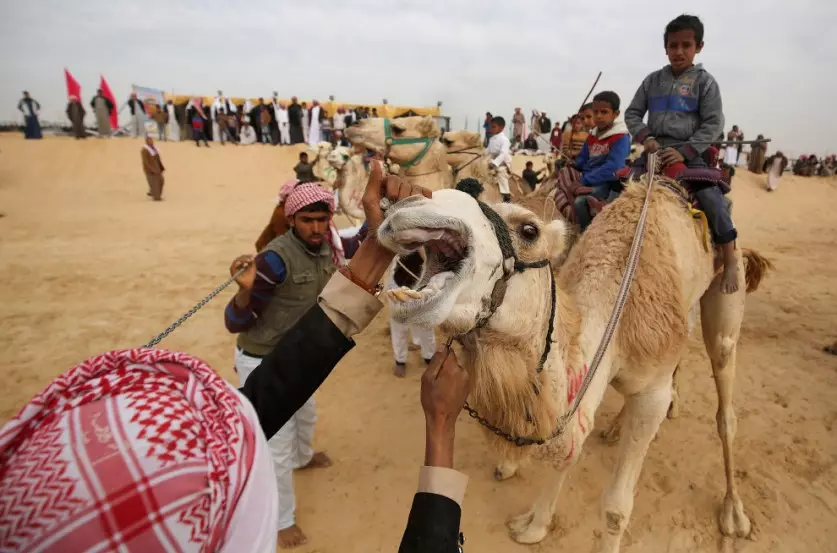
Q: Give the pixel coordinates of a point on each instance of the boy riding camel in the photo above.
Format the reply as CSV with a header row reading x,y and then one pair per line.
x,y
684,108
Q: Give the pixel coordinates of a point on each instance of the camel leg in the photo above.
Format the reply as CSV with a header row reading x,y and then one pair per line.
x,y
611,435
721,316
533,525
643,414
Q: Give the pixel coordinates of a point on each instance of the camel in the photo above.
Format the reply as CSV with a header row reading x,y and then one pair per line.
x,y
468,159
412,144
529,333
323,170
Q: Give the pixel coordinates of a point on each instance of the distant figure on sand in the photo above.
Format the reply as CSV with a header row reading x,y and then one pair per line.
x,y
198,120
137,109
171,117
756,161
30,108
153,168
75,112
775,166
518,121
248,133
295,121
102,108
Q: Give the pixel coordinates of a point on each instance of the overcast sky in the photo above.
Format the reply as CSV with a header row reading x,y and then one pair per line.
x,y
774,60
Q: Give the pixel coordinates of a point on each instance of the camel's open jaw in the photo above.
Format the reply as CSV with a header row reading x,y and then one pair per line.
x,y
444,228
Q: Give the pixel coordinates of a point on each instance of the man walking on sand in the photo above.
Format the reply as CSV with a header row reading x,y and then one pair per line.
x,y
291,271
153,168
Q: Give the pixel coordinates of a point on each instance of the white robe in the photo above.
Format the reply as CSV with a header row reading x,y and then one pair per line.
x,y
305,127
314,130
284,124
248,134
174,127
775,174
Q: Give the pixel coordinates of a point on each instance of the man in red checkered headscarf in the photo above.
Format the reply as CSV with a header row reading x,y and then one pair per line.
x,y
291,271
136,451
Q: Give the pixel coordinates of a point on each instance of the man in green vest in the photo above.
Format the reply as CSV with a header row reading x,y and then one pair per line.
x,y
291,271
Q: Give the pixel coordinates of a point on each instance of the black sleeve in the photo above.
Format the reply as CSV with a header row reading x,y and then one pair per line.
x,y
296,367
433,525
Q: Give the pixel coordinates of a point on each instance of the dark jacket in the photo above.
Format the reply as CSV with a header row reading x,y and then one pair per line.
x,y
134,103
292,372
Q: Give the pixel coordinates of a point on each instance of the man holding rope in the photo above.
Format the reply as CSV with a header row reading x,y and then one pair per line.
x,y
289,274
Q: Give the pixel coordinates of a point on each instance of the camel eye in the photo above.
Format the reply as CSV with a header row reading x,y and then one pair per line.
x,y
529,232
447,141
397,130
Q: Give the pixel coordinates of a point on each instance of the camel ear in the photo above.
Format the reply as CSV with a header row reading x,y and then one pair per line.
x,y
556,232
428,127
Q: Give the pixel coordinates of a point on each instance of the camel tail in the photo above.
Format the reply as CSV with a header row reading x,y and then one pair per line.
x,y
756,267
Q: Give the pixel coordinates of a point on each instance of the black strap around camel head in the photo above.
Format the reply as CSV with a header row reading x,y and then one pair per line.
x,y
511,265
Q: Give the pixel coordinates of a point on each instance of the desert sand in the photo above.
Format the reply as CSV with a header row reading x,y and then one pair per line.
x,y
89,264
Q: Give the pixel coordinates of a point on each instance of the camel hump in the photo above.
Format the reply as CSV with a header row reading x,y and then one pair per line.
x,y
756,267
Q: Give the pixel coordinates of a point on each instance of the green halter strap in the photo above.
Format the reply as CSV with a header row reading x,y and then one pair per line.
x,y
390,141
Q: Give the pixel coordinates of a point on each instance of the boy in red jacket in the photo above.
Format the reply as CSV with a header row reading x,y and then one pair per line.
x,y
604,152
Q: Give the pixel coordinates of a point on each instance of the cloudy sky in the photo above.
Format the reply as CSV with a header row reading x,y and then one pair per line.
x,y
774,60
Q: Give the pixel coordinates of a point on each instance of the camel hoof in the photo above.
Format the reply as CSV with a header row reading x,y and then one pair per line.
x,y
733,520
504,471
529,533
519,523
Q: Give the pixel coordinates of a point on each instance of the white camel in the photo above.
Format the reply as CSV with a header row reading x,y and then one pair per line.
x,y
529,334
323,170
412,143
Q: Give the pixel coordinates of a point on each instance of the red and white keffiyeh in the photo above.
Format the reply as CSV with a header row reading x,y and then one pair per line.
x,y
136,451
294,196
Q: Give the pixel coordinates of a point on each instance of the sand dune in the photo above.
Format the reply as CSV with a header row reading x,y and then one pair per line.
x,y
88,264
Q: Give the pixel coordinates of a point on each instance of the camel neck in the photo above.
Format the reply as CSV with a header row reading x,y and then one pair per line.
x,y
507,389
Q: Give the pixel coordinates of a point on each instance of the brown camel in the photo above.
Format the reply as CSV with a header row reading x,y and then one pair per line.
x,y
529,334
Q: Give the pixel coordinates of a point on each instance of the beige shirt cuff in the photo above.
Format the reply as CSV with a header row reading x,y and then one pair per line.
x,y
443,481
350,307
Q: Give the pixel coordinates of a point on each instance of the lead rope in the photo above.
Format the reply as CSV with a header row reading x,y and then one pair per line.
x,y
183,318
621,297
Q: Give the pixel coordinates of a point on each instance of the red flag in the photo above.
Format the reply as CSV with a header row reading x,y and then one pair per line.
x,y
73,88
106,92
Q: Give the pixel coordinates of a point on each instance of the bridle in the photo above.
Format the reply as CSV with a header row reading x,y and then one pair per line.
x,y
390,141
511,265
502,232
471,151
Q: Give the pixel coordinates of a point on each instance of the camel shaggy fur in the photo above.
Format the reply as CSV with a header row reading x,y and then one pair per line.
x,y
431,172
675,275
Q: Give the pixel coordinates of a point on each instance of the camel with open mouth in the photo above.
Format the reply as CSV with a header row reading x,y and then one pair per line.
x,y
529,334
412,143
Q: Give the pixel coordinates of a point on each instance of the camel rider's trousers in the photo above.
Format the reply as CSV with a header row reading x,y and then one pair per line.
x,y
291,448
422,337
503,179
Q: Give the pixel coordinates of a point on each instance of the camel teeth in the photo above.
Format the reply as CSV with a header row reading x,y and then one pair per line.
x,y
416,295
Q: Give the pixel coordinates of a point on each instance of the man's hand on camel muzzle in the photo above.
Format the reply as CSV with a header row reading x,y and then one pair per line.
x,y
390,187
